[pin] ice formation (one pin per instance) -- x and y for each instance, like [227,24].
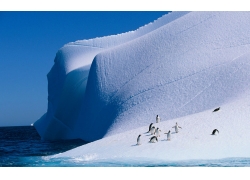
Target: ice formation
[181,67]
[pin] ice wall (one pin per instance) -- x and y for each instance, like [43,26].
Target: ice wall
[171,67]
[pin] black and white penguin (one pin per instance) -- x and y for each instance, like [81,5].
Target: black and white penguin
[217,109]
[176,128]
[152,130]
[168,135]
[158,119]
[214,132]
[139,140]
[157,132]
[153,139]
[150,126]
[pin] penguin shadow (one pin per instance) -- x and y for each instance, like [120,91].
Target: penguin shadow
[173,132]
[135,145]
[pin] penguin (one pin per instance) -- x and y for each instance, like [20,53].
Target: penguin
[153,139]
[139,140]
[214,132]
[176,128]
[158,119]
[217,109]
[157,132]
[152,130]
[150,126]
[168,135]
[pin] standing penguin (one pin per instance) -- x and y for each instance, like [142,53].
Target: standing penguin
[214,132]
[153,139]
[152,130]
[176,128]
[150,126]
[168,135]
[157,132]
[139,140]
[158,119]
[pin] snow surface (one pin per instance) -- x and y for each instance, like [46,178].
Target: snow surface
[181,67]
[193,142]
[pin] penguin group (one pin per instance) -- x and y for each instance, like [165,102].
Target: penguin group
[155,132]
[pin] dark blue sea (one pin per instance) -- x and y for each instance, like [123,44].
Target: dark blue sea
[22,147]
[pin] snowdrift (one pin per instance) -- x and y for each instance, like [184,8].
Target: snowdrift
[181,66]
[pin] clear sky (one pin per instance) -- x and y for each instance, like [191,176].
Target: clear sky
[28,44]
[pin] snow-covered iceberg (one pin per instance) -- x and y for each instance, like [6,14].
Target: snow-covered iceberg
[180,67]
[68,77]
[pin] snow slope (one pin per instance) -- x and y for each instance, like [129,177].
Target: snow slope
[193,142]
[173,71]
[180,70]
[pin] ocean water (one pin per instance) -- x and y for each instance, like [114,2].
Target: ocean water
[22,147]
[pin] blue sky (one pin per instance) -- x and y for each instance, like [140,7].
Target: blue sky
[28,44]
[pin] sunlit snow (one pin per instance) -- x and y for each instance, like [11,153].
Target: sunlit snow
[180,67]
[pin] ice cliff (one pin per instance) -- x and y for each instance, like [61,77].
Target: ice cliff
[181,64]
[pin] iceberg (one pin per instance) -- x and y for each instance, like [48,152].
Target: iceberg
[181,67]
[68,77]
